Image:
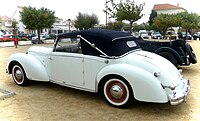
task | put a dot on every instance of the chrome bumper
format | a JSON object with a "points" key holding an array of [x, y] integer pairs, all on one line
{"points": [[176, 99]]}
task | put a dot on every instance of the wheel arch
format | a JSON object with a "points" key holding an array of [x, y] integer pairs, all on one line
{"points": [[171, 51], [137, 81], [33, 68], [107, 77]]}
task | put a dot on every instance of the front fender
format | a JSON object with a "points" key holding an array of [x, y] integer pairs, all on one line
{"points": [[170, 50], [32, 66], [145, 86], [167, 49]]}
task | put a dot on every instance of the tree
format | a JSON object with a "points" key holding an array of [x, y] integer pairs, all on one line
{"points": [[110, 10], [129, 11], [183, 19], [14, 26], [164, 21], [37, 19], [152, 17], [115, 25], [85, 21], [189, 21]]}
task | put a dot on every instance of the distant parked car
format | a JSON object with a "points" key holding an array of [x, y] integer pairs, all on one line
{"points": [[22, 35], [9, 37], [30, 36], [196, 35], [52, 36], [171, 35], [182, 35], [178, 52], [144, 35], [156, 35], [35, 40]]}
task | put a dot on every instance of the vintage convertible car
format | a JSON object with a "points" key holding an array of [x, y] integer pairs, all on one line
{"points": [[102, 61], [178, 52]]}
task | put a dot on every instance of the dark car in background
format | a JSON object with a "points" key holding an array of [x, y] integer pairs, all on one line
{"points": [[30, 36], [182, 35], [196, 36], [22, 35], [178, 52]]}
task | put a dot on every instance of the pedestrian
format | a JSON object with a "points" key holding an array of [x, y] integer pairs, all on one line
{"points": [[15, 42]]}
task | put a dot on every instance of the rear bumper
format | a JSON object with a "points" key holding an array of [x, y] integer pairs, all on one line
{"points": [[180, 97]]}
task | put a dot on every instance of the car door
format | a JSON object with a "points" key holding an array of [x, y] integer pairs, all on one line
{"points": [[66, 66]]}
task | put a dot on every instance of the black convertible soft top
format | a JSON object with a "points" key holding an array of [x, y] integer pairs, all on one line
{"points": [[112, 43]]}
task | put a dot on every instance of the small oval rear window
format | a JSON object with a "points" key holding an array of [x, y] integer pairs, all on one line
{"points": [[131, 43]]}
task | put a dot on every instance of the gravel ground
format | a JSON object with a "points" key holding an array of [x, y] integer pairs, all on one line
{"points": [[42, 101]]}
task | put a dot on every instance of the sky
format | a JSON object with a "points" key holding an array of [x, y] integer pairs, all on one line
{"points": [[68, 9]]}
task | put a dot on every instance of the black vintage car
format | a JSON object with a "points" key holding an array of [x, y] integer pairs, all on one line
{"points": [[178, 52]]}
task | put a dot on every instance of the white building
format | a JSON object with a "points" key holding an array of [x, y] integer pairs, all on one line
{"points": [[168, 9], [61, 26]]}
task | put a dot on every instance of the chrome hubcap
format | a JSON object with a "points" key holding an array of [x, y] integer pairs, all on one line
{"points": [[18, 74], [116, 91]]}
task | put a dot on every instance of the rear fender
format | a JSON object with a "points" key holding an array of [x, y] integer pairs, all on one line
{"points": [[145, 86], [168, 49], [33, 68]]}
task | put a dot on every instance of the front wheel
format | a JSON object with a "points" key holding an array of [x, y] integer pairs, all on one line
{"points": [[117, 92], [19, 75]]}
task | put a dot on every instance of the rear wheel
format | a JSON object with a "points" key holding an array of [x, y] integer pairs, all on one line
{"points": [[170, 57], [19, 75], [117, 92]]}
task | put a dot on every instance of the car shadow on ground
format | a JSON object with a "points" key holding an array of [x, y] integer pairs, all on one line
{"points": [[97, 99]]}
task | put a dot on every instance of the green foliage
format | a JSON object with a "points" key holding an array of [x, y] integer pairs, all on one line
{"points": [[188, 20], [37, 19], [183, 19], [14, 25], [85, 21], [127, 11], [152, 17], [164, 21], [24, 39], [137, 27], [115, 26], [110, 8]]}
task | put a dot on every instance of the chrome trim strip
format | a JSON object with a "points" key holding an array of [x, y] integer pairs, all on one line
{"points": [[72, 86], [122, 38]]}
